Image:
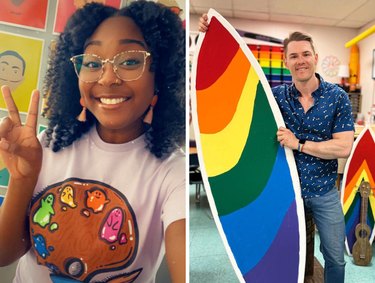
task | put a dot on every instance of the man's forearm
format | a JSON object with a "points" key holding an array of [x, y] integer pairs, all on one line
{"points": [[338, 147]]}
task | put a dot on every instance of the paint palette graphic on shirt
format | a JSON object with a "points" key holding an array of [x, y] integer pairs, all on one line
{"points": [[359, 167], [251, 182], [81, 228]]}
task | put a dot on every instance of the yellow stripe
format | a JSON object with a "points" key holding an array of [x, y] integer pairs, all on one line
{"points": [[274, 63], [372, 204], [221, 151]]}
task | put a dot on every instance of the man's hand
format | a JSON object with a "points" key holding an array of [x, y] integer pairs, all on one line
{"points": [[203, 23], [287, 138]]}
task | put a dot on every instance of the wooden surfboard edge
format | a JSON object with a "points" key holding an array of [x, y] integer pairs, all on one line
{"points": [[280, 122]]}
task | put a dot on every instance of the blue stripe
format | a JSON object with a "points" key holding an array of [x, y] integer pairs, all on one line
{"points": [[353, 218], [251, 230]]}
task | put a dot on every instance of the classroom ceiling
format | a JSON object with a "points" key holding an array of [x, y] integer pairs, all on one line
{"points": [[335, 13]]}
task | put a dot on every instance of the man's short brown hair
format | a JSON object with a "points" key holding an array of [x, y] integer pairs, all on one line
{"points": [[297, 36]]}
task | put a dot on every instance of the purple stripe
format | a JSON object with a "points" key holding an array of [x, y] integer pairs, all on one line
{"points": [[282, 255]]}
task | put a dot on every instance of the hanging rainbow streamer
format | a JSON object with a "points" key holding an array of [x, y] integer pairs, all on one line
{"points": [[251, 182], [359, 167]]}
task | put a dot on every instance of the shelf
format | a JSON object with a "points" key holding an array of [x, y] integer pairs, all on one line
{"points": [[355, 100]]}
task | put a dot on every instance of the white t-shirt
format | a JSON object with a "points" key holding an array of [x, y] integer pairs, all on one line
{"points": [[100, 211]]}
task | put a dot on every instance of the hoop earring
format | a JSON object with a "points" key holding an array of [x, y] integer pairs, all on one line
{"points": [[150, 114], [82, 116]]}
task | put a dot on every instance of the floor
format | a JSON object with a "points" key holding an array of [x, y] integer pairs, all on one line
{"points": [[210, 264]]}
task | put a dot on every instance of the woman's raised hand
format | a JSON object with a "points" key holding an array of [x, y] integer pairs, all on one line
{"points": [[20, 149]]}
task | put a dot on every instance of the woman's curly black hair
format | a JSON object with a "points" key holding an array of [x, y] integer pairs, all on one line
{"points": [[165, 37]]}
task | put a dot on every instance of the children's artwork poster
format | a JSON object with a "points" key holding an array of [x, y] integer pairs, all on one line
{"points": [[20, 60], [26, 13], [271, 60], [65, 8]]}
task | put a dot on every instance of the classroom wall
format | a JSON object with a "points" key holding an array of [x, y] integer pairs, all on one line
{"points": [[366, 50], [329, 41]]}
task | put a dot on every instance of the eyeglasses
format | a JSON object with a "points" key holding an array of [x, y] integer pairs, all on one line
{"points": [[127, 65]]}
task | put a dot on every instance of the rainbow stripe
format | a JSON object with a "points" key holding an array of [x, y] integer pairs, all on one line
{"points": [[251, 182], [359, 167], [271, 60]]}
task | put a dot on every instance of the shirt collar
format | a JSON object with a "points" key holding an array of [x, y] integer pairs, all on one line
{"points": [[295, 92]]}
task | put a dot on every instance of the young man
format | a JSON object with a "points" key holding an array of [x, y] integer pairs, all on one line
{"points": [[319, 129]]}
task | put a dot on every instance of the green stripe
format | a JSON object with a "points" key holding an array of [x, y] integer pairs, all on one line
{"points": [[244, 182], [276, 71]]}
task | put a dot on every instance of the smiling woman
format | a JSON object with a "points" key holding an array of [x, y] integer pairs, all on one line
{"points": [[168, 70], [116, 91], [109, 168]]}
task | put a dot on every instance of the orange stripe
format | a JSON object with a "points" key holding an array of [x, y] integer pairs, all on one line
{"points": [[217, 104], [352, 184], [267, 56]]}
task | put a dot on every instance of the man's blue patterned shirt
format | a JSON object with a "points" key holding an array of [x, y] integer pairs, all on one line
{"points": [[331, 113]]}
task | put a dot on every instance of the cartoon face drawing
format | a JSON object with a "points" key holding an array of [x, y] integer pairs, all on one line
{"points": [[67, 196], [98, 236], [43, 214], [96, 199], [12, 69], [112, 225], [40, 246]]}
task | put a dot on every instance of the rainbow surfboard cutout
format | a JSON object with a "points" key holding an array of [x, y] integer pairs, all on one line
{"points": [[251, 182], [359, 167]]}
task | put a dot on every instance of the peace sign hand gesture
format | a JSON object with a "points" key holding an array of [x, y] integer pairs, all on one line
{"points": [[19, 147]]}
